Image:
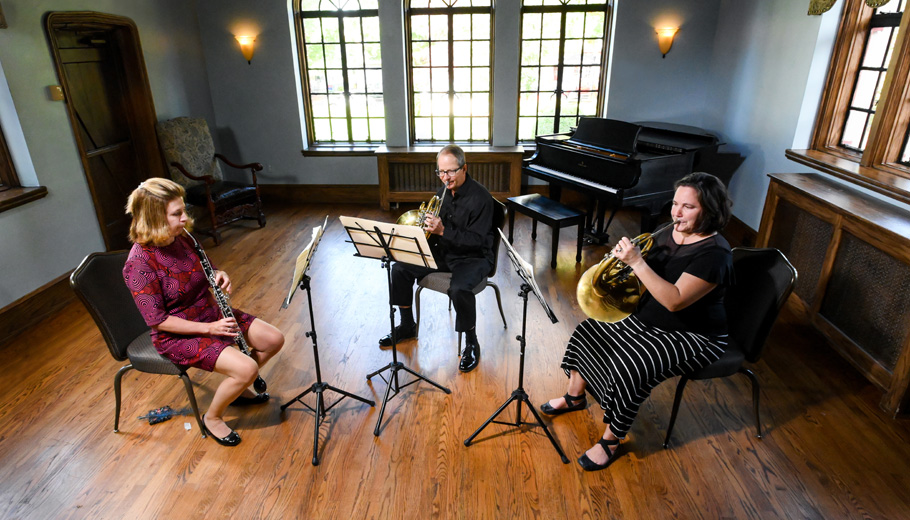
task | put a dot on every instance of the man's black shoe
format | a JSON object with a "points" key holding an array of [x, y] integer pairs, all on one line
{"points": [[470, 357], [402, 332]]}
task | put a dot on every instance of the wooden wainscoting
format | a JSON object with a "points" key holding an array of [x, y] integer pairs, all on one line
{"points": [[406, 174], [852, 252], [35, 306]]}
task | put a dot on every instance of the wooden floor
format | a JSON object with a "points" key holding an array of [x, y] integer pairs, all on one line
{"points": [[828, 451]]}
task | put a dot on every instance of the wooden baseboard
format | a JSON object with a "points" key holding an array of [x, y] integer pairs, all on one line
{"points": [[321, 193], [34, 307], [739, 234]]}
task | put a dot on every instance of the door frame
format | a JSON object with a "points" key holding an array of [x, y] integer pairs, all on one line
{"points": [[142, 117]]}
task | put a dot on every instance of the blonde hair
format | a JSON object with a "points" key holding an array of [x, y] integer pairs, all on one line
{"points": [[147, 205]]}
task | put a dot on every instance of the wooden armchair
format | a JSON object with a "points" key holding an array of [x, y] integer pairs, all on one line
{"points": [[190, 153]]}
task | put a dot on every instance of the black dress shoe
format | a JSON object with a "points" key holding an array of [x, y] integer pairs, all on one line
{"points": [[402, 332], [589, 465], [580, 400], [246, 401], [232, 438], [470, 357]]}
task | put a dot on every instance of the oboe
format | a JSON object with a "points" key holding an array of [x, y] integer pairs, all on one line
{"points": [[224, 304]]}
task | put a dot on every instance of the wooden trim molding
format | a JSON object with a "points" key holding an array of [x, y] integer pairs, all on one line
{"points": [[35, 306], [15, 197], [880, 180]]}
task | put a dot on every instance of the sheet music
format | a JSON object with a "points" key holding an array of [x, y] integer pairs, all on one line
{"points": [[408, 244], [526, 272], [303, 259]]}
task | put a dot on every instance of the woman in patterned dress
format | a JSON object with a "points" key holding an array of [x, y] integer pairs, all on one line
{"points": [[171, 290], [679, 326]]}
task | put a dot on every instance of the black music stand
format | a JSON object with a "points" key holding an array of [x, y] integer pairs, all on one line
{"points": [[388, 242], [526, 272], [303, 281]]}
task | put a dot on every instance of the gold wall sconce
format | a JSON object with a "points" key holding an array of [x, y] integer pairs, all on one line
{"points": [[246, 47], [665, 37]]}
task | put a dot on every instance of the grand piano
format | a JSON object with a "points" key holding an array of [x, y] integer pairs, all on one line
{"points": [[620, 165]]}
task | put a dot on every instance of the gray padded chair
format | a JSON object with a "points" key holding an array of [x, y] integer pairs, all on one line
{"points": [[764, 281], [440, 282], [98, 282]]}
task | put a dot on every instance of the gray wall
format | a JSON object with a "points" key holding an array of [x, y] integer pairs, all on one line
{"points": [[43, 240], [646, 87], [760, 68]]}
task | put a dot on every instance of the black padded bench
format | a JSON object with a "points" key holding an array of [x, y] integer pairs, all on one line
{"points": [[551, 213]]}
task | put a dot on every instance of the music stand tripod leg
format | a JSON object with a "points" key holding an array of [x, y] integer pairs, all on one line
{"points": [[395, 365], [519, 395], [319, 386]]}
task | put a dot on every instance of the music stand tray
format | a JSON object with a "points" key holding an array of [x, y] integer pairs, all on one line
{"points": [[391, 242], [319, 387], [526, 273]]}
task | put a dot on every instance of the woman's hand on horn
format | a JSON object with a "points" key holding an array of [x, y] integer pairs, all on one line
{"points": [[627, 252]]}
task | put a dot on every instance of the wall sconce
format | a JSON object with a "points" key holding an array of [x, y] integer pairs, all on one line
{"points": [[246, 47], [665, 37]]}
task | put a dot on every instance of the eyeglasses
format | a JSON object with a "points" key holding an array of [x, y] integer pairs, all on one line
{"points": [[443, 173]]}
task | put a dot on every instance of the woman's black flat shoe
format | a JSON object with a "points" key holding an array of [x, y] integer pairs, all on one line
{"points": [[582, 402], [246, 401], [232, 438], [589, 465]]}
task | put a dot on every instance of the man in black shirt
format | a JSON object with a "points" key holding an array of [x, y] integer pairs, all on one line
{"points": [[462, 243]]}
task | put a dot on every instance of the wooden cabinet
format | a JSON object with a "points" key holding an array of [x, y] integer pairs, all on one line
{"points": [[852, 252], [406, 174]]}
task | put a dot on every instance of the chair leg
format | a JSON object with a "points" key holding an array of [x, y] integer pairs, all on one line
{"points": [[555, 247], [680, 387], [459, 344], [117, 378], [260, 217], [511, 225], [581, 237], [498, 302], [192, 395], [755, 393], [417, 304], [533, 229]]}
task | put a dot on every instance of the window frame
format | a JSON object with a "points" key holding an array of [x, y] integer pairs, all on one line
{"points": [[877, 168], [412, 117], [607, 8], [329, 148], [12, 193], [8, 177]]}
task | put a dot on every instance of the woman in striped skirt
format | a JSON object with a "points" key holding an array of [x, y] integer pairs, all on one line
{"points": [[679, 326]]}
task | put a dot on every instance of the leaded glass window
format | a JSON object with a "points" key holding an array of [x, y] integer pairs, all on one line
{"points": [[450, 51], [563, 49], [342, 68]]}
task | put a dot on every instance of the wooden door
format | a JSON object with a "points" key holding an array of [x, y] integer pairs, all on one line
{"points": [[110, 108]]}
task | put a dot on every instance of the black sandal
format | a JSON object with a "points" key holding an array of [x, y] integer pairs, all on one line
{"points": [[589, 465], [581, 405]]}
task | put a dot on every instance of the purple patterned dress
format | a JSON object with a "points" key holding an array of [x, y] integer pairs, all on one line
{"points": [[169, 281]]}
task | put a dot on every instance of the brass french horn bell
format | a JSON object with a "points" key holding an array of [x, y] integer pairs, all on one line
{"points": [[417, 217], [609, 291]]}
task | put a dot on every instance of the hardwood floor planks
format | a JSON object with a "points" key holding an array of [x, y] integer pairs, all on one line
{"points": [[828, 451]]}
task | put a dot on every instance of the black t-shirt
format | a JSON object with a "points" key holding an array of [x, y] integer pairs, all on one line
{"points": [[711, 260]]}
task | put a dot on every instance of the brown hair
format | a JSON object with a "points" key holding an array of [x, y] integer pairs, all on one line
{"points": [[712, 195], [148, 207]]}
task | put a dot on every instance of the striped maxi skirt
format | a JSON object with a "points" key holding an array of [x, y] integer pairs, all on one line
{"points": [[622, 362]]}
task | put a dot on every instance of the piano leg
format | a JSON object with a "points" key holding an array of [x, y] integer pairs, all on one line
{"points": [[595, 228]]}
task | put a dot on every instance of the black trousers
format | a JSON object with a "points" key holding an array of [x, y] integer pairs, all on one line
{"points": [[466, 275]]}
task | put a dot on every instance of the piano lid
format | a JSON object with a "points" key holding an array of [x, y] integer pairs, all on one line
{"points": [[679, 138], [607, 134]]}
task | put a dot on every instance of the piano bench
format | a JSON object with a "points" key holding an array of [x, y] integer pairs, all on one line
{"points": [[551, 213]]}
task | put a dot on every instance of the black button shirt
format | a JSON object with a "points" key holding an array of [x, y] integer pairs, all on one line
{"points": [[468, 220]]}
